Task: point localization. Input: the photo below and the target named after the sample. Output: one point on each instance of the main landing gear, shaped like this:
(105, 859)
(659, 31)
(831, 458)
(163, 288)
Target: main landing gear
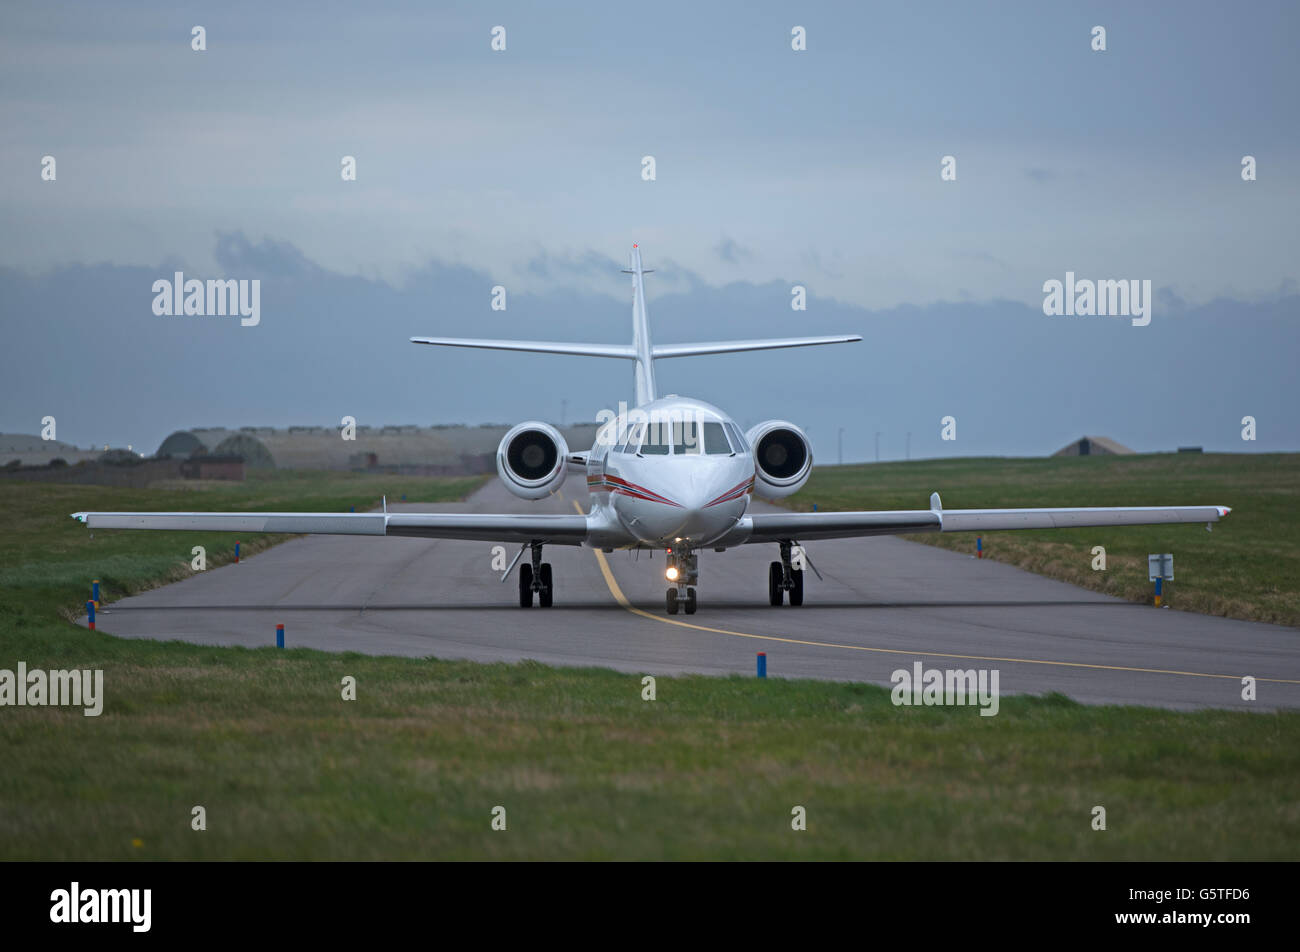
(535, 577)
(782, 578)
(683, 572)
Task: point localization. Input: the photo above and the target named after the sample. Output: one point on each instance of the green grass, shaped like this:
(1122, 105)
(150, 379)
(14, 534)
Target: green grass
(48, 558)
(1247, 567)
(585, 769)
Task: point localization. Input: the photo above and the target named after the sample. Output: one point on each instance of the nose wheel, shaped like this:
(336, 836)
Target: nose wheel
(686, 604)
(536, 578)
(683, 570)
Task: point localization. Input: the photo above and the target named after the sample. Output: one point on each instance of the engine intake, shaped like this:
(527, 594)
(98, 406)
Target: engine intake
(782, 458)
(532, 460)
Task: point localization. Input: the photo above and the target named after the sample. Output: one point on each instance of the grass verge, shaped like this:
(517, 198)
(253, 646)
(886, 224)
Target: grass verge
(586, 769)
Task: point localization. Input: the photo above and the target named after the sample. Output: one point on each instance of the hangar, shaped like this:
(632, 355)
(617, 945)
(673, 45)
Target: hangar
(449, 449)
(23, 449)
(1094, 446)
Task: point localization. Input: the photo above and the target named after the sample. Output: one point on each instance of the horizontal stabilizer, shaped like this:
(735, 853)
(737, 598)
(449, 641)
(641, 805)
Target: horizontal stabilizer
(660, 351)
(624, 351)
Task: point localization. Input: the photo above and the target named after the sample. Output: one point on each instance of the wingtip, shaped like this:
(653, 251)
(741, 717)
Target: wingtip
(79, 516)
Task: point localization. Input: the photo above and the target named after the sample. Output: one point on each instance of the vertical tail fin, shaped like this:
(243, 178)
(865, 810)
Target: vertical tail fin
(645, 368)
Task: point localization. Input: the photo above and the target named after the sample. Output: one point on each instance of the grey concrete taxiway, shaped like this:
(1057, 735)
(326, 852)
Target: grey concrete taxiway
(883, 604)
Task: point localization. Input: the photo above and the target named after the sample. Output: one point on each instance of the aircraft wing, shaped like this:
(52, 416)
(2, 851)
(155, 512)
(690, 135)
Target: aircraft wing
(776, 527)
(552, 529)
(804, 526)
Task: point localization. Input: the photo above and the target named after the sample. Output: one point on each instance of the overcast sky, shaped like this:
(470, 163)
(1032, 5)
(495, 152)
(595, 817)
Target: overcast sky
(774, 168)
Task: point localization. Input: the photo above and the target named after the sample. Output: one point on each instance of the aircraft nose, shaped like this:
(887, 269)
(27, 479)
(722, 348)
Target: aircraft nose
(693, 509)
(698, 515)
(688, 519)
(692, 518)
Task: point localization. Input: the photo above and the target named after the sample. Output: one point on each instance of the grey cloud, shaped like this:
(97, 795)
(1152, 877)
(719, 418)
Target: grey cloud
(729, 251)
(590, 263)
(237, 255)
(83, 344)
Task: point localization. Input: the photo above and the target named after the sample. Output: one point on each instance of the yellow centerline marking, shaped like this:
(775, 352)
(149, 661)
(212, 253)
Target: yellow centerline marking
(622, 600)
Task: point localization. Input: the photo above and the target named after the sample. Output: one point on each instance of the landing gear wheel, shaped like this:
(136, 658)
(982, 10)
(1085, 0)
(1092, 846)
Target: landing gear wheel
(525, 586)
(672, 601)
(690, 601)
(775, 593)
(544, 596)
(796, 589)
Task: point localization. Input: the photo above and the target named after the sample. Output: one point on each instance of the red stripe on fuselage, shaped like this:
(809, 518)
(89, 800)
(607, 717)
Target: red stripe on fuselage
(640, 492)
(735, 492)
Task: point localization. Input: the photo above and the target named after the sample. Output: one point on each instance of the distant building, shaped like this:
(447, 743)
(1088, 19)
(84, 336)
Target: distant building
(430, 450)
(31, 450)
(1093, 446)
(213, 467)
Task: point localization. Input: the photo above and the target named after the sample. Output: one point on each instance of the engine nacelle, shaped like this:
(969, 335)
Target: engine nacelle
(782, 458)
(532, 460)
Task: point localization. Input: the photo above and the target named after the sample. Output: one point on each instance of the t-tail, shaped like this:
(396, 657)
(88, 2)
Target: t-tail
(641, 350)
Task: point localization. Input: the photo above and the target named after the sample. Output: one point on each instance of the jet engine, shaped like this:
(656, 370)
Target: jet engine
(782, 458)
(532, 460)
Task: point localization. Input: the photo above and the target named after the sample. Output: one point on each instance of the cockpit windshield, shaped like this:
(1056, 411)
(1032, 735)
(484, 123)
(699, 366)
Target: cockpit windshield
(655, 441)
(715, 439)
(686, 439)
(683, 438)
(633, 440)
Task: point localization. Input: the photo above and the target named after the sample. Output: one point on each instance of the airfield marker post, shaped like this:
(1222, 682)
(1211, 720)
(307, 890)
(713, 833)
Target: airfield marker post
(979, 547)
(1160, 568)
(90, 612)
(762, 664)
(279, 636)
(94, 591)
(236, 551)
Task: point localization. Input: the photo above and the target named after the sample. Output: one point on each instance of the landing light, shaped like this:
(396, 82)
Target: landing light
(671, 574)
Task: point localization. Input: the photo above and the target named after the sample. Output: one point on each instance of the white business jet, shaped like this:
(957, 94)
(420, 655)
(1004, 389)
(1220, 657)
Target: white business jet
(671, 473)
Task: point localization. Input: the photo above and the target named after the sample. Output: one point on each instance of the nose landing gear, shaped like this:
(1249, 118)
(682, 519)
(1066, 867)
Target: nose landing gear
(683, 572)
